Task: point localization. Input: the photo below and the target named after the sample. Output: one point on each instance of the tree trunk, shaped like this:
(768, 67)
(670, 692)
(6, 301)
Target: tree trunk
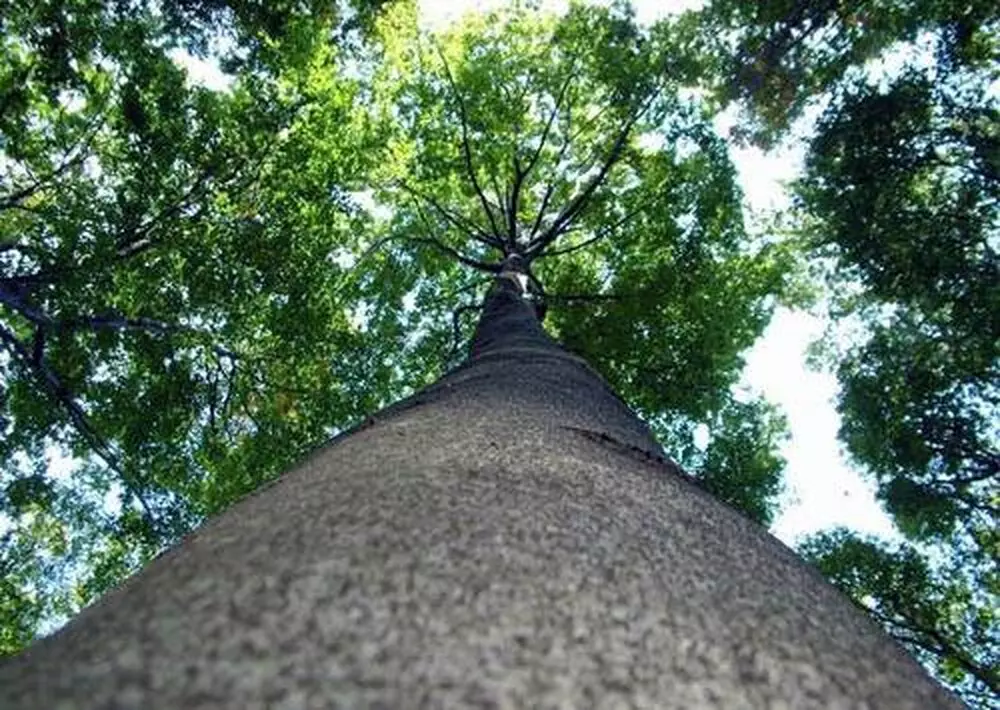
(512, 536)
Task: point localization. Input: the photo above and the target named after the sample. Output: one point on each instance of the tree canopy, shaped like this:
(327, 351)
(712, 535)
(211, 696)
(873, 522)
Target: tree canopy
(199, 285)
(898, 208)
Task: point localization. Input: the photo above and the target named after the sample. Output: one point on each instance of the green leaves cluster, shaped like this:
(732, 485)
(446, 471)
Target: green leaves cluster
(777, 57)
(169, 311)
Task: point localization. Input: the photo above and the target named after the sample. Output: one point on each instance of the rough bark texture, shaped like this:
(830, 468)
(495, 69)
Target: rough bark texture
(510, 537)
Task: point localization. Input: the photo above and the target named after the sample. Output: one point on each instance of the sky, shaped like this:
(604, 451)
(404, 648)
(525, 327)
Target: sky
(822, 490)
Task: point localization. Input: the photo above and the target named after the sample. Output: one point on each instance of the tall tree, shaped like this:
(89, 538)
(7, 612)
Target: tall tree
(202, 295)
(511, 534)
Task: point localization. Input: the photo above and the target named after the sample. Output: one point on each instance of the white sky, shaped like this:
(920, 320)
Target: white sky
(822, 490)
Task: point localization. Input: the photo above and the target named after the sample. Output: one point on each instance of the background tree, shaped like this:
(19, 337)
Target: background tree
(777, 56)
(938, 614)
(898, 207)
(149, 288)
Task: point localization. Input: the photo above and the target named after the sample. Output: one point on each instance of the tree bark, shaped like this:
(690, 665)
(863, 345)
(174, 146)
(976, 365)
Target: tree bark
(512, 536)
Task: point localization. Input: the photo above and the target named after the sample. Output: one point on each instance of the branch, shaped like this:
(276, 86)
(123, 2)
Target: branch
(585, 297)
(119, 322)
(601, 234)
(139, 240)
(462, 223)
(521, 175)
(933, 641)
(548, 124)
(14, 199)
(54, 386)
(454, 253)
(515, 193)
(134, 246)
(577, 204)
(468, 261)
(502, 199)
(466, 150)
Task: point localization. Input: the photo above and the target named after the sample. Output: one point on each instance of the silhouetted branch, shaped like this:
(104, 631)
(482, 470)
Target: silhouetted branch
(466, 149)
(548, 124)
(468, 261)
(454, 253)
(52, 383)
(15, 199)
(577, 204)
(601, 234)
(463, 224)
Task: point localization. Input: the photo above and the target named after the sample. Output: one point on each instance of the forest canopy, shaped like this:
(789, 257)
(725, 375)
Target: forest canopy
(200, 284)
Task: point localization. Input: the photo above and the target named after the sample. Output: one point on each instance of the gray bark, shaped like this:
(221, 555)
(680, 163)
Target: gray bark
(510, 537)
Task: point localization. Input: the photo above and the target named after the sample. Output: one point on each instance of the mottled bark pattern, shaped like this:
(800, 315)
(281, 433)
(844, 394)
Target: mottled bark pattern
(509, 537)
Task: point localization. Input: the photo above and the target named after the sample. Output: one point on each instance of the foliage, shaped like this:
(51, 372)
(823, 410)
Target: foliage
(160, 248)
(903, 186)
(939, 612)
(776, 56)
(198, 286)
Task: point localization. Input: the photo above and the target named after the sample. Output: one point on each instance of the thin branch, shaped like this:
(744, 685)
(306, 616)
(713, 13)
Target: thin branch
(905, 628)
(118, 322)
(515, 192)
(601, 234)
(52, 383)
(454, 253)
(550, 188)
(466, 149)
(584, 297)
(139, 240)
(548, 124)
(468, 261)
(502, 199)
(577, 204)
(134, 246)
(80, 148)
(520, 175)
(463, 224)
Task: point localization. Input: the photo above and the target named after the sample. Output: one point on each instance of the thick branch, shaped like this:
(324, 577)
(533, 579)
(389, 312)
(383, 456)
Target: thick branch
(454, 253)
